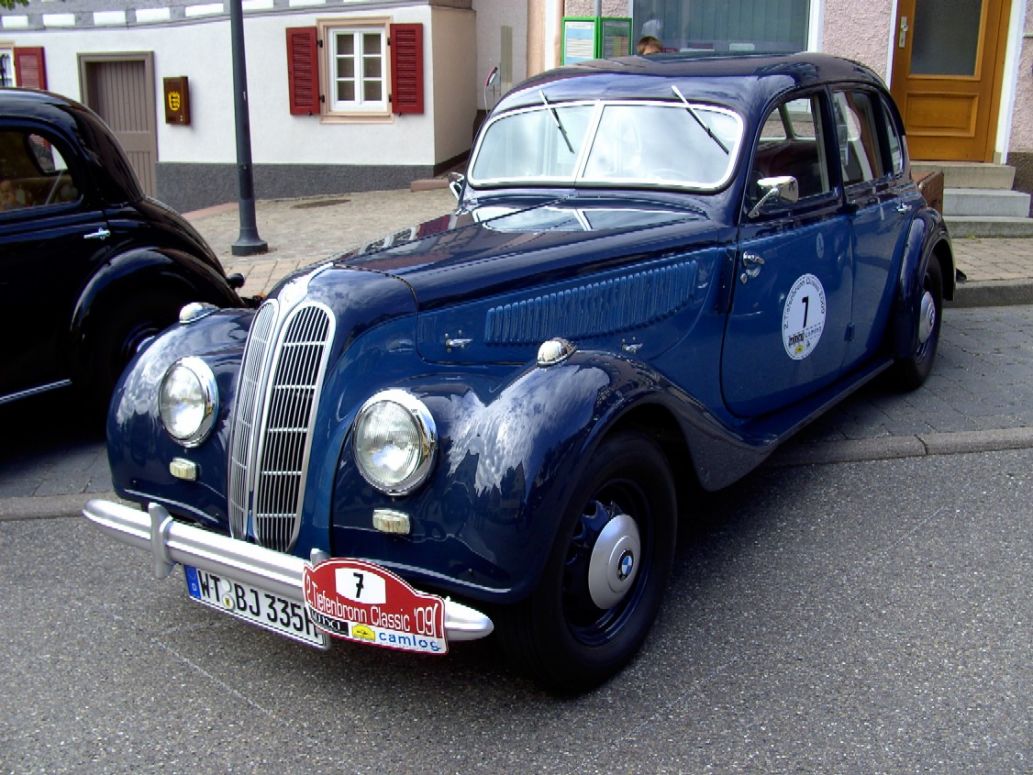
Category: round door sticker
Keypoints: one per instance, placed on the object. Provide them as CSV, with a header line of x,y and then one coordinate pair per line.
x,y
803,317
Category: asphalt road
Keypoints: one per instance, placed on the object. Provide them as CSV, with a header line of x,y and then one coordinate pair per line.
x,y
861,617
870,616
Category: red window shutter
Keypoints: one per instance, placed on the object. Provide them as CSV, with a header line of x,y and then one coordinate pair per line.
x,y
303,70
406,68
30,67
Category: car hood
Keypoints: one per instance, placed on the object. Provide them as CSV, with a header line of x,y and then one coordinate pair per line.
x,y
499,248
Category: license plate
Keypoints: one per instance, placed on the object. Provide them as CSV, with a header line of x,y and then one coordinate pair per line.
x,y
365,603
285,617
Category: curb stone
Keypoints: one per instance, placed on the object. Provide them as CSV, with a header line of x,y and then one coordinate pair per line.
x,y
896,447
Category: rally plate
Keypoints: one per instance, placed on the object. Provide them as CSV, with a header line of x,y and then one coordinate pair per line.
x,y
365,603
284,617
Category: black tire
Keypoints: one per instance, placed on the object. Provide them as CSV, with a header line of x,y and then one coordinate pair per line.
x,y
912,371
560,636
117,336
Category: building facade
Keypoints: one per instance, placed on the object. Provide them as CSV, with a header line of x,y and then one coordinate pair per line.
x,y
364,94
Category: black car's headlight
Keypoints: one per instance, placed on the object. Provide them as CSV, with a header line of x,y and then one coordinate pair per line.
x,y
394,441
188,401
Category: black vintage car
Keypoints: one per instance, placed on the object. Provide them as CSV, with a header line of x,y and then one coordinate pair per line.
x,y
90,268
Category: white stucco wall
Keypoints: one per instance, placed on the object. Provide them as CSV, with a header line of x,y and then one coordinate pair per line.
x,y
201,51
1021,140
858,31
455,101
492,16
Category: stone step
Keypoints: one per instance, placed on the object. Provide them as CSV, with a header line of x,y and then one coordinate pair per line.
x,y
968,174
985,201
989,226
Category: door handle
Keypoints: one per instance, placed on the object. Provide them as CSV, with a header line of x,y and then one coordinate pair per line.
x,y
902,38
752,264
101,233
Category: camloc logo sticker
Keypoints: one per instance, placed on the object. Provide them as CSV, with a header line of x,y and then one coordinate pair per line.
x,y
362,602
803,317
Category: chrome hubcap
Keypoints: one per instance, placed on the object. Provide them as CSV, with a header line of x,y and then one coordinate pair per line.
x,y
926,318
614,562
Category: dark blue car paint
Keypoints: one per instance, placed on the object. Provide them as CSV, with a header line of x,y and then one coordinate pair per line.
x,y
514,436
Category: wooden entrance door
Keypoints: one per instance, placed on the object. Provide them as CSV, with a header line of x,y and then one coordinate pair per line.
x,y
120,89
947,69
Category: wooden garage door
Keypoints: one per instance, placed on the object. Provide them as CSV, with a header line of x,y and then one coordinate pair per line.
x,y
120,89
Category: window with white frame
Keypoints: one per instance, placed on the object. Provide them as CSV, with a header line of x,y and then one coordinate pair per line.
x,y
358,70
362,69
7,76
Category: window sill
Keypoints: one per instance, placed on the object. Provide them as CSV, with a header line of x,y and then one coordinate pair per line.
x,y
356,118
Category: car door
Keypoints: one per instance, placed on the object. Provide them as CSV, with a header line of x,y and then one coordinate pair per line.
x,y
52,235
787,330
881,200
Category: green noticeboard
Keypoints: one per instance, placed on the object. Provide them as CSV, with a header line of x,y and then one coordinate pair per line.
x,y
593,37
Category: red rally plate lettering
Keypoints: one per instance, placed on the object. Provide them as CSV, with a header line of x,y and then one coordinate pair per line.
x,y
362,602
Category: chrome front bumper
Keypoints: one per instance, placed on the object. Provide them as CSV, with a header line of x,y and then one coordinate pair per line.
x,y
171,542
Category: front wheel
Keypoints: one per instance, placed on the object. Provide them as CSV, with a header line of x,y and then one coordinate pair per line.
x,y
606,573
911,372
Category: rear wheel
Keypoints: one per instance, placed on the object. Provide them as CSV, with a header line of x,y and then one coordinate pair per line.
x,y
911,372
606,573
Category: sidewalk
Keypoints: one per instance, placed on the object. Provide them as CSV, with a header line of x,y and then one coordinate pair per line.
x,y
304,231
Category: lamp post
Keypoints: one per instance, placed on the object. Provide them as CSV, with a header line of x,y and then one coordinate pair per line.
x,y
248,242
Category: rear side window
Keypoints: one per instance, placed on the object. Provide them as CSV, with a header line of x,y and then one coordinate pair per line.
x,y
33,172
858,125
896,146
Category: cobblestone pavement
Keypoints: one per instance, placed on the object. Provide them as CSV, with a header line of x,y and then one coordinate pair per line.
x,y
304,231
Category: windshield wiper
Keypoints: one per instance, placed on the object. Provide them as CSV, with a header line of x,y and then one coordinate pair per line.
x,y
695,115
556,118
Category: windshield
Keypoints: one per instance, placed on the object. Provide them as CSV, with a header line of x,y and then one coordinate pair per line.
x,y
662,144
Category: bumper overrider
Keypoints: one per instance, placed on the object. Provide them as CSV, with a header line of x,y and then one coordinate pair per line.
x,y
171,542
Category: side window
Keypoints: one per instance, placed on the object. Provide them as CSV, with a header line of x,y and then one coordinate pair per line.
x,y
857,134
33,173
789,145
896,146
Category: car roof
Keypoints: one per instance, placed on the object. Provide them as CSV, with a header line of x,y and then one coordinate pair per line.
x,y
741,82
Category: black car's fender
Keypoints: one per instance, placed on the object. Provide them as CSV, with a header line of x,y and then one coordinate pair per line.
x,y
168,278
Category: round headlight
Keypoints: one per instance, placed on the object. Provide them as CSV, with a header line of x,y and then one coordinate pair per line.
x,y
394,441
188,401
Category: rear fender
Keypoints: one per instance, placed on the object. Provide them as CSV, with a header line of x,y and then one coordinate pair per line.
x,y
927,241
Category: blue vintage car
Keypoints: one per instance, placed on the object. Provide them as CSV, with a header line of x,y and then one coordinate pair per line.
x,y
659,269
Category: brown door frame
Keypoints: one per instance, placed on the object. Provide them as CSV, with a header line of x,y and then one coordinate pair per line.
x,y
150,97
997,38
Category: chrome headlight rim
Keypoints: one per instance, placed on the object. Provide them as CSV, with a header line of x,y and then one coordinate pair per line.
x,y
205,377
426,430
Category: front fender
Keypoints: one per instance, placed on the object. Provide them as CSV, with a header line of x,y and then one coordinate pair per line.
x,y
140,450
927,241
509,457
